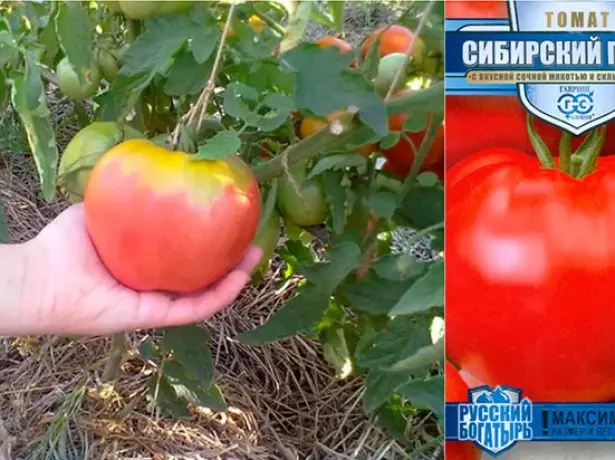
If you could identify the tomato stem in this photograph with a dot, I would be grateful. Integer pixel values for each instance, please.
(541, 148)
(576, 161)
(565, 151)
(590, 150)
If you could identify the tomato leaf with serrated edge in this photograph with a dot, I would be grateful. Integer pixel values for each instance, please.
(428, 393)
(339, 161)
(402, 338)
(187, 76)
(383, 204)
(302, 313)
(162, 394)
(421, 359)
(189, 346)
(425, 293)
(374, 295)
(336, 195)
(218, 147)
(28, 99)
(324, 84)
(186, 387)
(74, 31)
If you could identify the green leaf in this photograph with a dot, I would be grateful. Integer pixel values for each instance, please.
(379, 386)
(425, 293)
(428, 179)
(190, 347)
(373, 295)
(324, 85)
(162, 394)
(3, 92)
(149, 351)
(124, 94)
(390, 140)
(28, 99)
(49, 40)
(398, 267)
(336, 194)
(74, 31)
(335, 351)
(204, 42)
(4, 230)
(299, 315)
(394, 418)
(383, 204)
(244, 102)
(337, 162)
(421, 359)
(191, 390)
(343, 258)
(428, 394)
(319, 16)
(402, 338)
(416, 123)
(423, 206)
(297, 25)
(302, 313)
(337, 11)
(220, 146)
(187, 76)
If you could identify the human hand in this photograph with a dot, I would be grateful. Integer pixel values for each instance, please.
(69, 291)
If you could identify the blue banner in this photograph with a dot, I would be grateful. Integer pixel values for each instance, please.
(549, 422)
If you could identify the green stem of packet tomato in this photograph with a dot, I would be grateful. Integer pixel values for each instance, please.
(541, 149)
(565, 152)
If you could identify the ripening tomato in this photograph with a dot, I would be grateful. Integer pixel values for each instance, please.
(311, 125)
(473, 9)
(162, 221)
(456, 390)
(393, 39)
(327, 41)
(475, 123)
(402, 153)
(530, 268)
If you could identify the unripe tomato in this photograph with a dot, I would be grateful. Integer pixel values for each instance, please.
(388, 68)
(267, 238)
(141, 10)
(327, 41)
(108, 64)
(69, 84)
(393, 39)
(83, 152)
(311, 125)
(302, 201)
(161, 221)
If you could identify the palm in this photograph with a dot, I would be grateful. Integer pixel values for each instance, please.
(79, 295)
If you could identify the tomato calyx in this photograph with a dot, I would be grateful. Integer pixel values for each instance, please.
(577, 164)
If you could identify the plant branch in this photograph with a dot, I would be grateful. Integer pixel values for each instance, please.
(114, 360)
(200, 106)
(417, 33)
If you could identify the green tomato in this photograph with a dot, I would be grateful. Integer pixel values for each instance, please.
(69, 84)
(388, 67)
(145, 10)
(83, 152)
(267, 238)
(303, 203)
(108, 63)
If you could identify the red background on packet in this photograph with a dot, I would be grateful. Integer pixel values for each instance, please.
(475, 123)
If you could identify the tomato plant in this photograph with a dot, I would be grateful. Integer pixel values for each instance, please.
(206, 126)
(518, 229)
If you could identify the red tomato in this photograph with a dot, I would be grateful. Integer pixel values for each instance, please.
(393, 39)
(460, 9)
(457, 391)
(530, 268)
(161, 221)
(475, 123)
(327, 41)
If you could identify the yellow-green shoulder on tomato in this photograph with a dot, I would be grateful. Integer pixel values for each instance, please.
(302, 201)
(83, 152)
(69, 84)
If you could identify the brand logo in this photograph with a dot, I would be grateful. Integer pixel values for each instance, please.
(576, 105)
(495, 419)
